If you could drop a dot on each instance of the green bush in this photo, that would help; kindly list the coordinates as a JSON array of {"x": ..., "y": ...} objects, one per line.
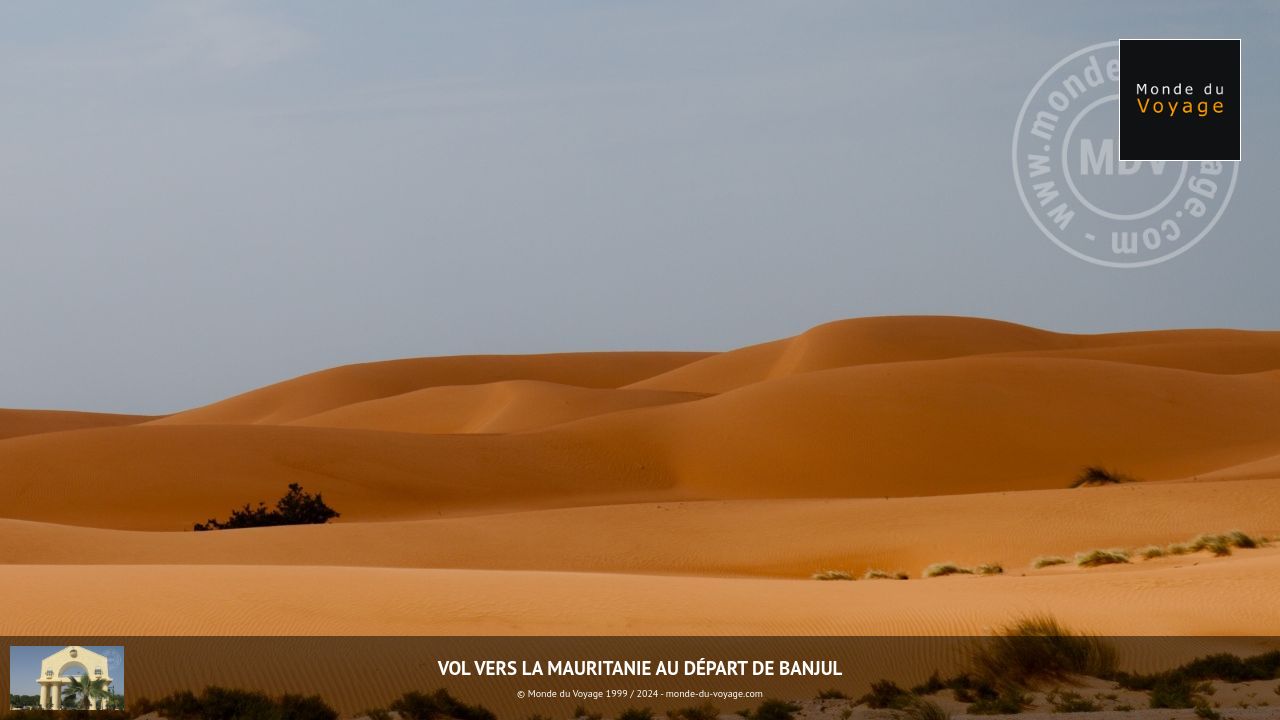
[
  {"x": 1094, "y": 475},
  {"x": 295, "y": 508}
]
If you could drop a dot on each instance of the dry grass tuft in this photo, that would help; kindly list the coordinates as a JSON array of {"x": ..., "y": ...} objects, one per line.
[
  {"x": 876, "y": 574},
  {"x": 1097, "y": 558},
  {"x": 943, "y": 569},
  {"x": 990, "y": 569}
]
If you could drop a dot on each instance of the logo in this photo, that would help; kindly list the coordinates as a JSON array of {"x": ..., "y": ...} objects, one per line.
[{"x": 1107, "y": 211}]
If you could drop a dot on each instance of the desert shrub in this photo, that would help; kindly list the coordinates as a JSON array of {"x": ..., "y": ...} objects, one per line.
[
  {"x": 967, "y": 688},
  {"x": 636, "y": 714},
  {"x": 1178, "y": 549},
  {"x": 224, "y": 704},
  {"x": 1219, "y": 545},
  {"x": 695, "y": 712},
  {"x": 1151, "y": 552},
  {"x": 217, "y": 703},
  {"x": 1232, "y": 668},
  {"x": 1173, "y": 691},
  {"x": 1094, "y": 475},
  {"x": 886, "y": 694},
  {"x": 1096, "y": 558},
  {"x": 832, "y": 694},
  {"x": 1009, "y": 702},
  {"x": 1045, "y": 561},
  {"x": 305, "y": 707},
  {"x": 438, "y": 705},
  {"x": 946, "y": 568},
  {"x": 1242, "y": 540},
  {"x": 1064, "y": 701},
  {"x": 775, "y": 710},
  {"x": 1039, "y": 648},
  {"x": 582, "y": 713},
  {"x": 876, "y": 574},
  {"x": 990, "y": 569},
  {"x": 926, "y": 710},
  {"x": 832, "y": 575},
  {"x": 295, "y": 508},
  {"x": 933, "y": 685}
]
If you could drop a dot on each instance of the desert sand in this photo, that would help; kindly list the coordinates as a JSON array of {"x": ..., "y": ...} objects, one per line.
[{"x": 673, "y": 493}]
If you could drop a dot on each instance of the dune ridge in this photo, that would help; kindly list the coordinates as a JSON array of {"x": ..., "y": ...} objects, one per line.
[
  {"x": 20, "y": 423},
  {"x": 601, "y": 491}
]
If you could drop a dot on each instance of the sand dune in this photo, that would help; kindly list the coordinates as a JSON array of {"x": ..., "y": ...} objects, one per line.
[
  {"x": 328, "y": 389},
  {"x": 502, "y": 407},
  {"x": 945, "y": 427},
  {"x": 966, "y": 425},
  {"x": 266, "y": 600},
  {"x": 17, "y": 423},
  {"x": 649, "y": 493},
  {"x": 764, "y": 538},
  {"x": 157, "y": 477},
  {"x": 865, "y": 341}
]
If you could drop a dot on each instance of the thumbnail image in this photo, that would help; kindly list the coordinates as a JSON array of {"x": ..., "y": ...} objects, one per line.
[{"x": 66, "y": 678}]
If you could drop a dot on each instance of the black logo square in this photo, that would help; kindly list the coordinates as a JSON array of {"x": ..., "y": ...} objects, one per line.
[{"x": 1180, "y": 99}]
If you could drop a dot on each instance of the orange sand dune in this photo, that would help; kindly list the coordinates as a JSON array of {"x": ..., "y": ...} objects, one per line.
[
  {"x": 16, "y": 423},
  {"x": 328, "y": 389},
  {"x": 865, "y": 341},
  {"x": 652, "y": 493},
  {"x": 275, "y": 600},
  {"x": 1259, "y": 353},
  {"x": 165, "y": 477},
  {"x": 502, "y": 407},
  {"x": 962, "y": 425},
  {"x": 943, "y": 427},
  {"x": 722, "y": 538}
]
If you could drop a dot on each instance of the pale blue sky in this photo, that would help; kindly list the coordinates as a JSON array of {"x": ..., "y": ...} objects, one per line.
[
  {"x": 203, "y": 197},
  {"x": 24, "y": 666}
]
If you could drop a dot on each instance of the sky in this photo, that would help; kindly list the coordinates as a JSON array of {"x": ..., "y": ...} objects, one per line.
[
  {"x": 200, "y": 198},
  {"x": 24, "y": 666}
]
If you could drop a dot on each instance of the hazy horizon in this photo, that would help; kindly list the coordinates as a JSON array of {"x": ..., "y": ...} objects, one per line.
[{"x": 207, "y": 197}]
